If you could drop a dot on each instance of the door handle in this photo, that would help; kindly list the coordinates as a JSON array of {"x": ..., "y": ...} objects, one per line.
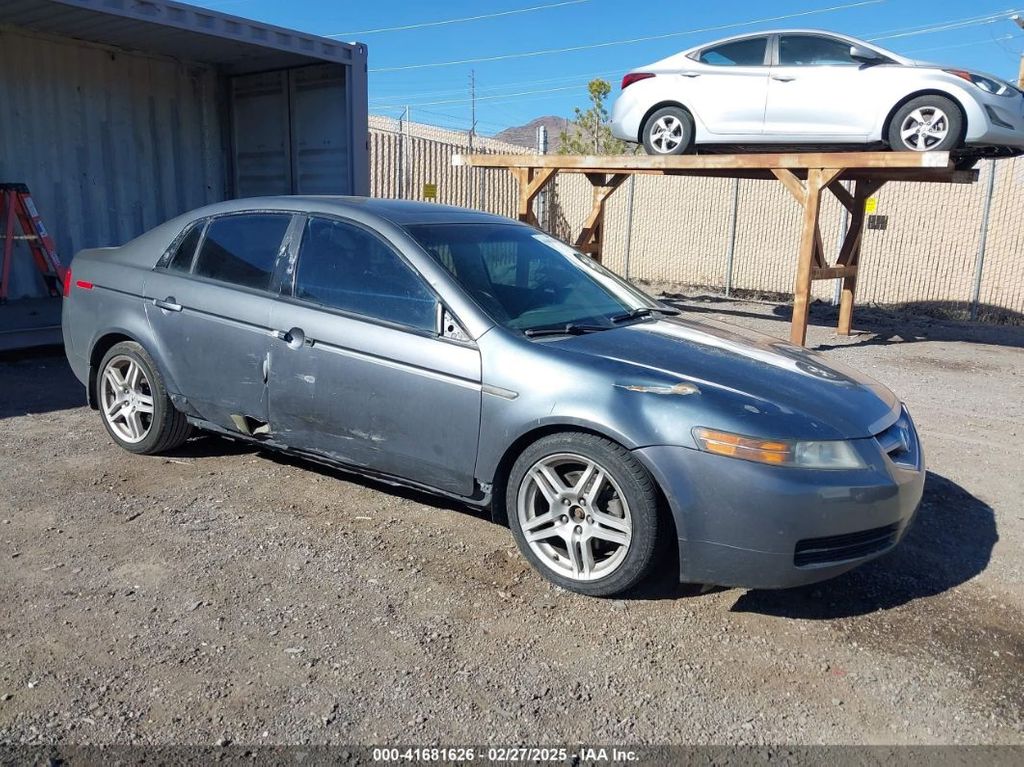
[
  {"x": 295, "y": 337},
  {"x": 690, "y": 74},
  {"x": 784, "y": 78},
  {"x": 167, "y": 304}
]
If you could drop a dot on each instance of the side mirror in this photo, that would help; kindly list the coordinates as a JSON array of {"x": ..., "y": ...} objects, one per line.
[{"x": 865, "y": 55}]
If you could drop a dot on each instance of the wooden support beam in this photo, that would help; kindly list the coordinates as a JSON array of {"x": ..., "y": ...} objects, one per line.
[
  {"x": 832, "y": 272},
  {"x": 591, "y": 236},
  {"x": 766, "y": 161},
  {"x": 810, "y": 245},
  {"x": 849, "y": 254},
  {"x": 531, "y": 181}
]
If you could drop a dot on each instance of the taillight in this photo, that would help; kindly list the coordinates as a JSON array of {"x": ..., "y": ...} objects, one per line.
[
  {"x": 634, "y": 77},
  {"x": 67, "y": 282}
]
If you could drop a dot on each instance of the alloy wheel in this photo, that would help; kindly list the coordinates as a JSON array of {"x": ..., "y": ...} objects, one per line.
[
  {"x": 666, "y": 134},
  {"x": 574, "y": 516},
  {"x": 126, "y": 398},
  {"x": 924, "y": 128}
]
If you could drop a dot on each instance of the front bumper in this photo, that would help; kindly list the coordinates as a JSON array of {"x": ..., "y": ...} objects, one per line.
[
  {"x": 998, "y": 121},
  {"x": 747, "y": 524}
]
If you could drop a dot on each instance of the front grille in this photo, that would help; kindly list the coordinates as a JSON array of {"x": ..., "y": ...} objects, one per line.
[
  {"x": 842, "y": 548},
  {"x": 899, "y": 442}
]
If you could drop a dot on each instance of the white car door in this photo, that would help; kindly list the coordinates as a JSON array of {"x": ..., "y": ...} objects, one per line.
[
  {"x": 727, "y": 86},
  {"x": 816, "y": 90}
]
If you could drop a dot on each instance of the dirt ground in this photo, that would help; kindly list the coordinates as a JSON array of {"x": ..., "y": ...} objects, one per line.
[{"x": 225, "y": 594}]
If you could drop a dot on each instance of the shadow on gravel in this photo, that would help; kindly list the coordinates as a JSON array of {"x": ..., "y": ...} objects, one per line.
[
  {"x": 878, "y": 326},
  {"x": 950, "y": 542},
  {"x": 409, "y": 494},
  {"x": 37, "y": 381}
]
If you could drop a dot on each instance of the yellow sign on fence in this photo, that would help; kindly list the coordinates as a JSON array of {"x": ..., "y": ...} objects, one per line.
[
  {"x": 870, "y": 205},
  {"x": 430, "y": 191}
]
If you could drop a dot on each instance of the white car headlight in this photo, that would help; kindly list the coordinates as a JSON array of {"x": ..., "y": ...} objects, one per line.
[
  {"x": 987, "y": 84},
  {"x": 807, "y": 454}
]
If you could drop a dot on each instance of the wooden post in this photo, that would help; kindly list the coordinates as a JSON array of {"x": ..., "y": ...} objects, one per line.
[
  {"x": 811, "y": 255},
  {"x": 591, "y": 237},
  {"x": 531, "y": 181},
  {"x": 849, "y": 254},
  {"x": 808, "y": 246}
]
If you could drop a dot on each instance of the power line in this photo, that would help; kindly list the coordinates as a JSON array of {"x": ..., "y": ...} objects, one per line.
[
  {"x": 444, "y": 22},
  {"x": 943, "y": 26},
  {"x": 501, "y": 86},
  {"x": 963, "y": 45},
  {"x": 572, "y": 87},
  {"x": 629, "y": 41}
]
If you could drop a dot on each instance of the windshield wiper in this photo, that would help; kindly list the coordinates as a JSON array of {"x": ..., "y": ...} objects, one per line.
[
  {"x": 643, "y": 311},
  {"x": 571, "y": 329}
]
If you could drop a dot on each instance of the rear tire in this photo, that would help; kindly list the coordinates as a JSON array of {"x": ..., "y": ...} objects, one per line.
[
  {"x": 668, "y": 131},
  {"x": 926, "y": 124},
  {"x": 134, "y": 406},
  {"x": 584, "y": 512}
]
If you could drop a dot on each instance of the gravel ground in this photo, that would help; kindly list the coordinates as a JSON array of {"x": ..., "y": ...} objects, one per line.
[{"x": 227, "y": 594}]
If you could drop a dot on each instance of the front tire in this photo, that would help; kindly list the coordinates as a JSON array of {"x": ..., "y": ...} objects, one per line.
[
  {"x": 584, "y": 512},
  {"x": 668, "y": 131},
  {"x": 134, "y": 406},
  {"x": 926, "y": 124}
]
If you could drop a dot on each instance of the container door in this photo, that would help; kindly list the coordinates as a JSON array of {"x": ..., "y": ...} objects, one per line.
[{"x": 291, "y": 132}]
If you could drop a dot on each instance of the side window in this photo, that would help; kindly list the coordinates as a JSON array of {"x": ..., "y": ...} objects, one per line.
[
  {"x": 741, "y": 53},
  {"x": 343, "y": 266},
  {"x": 242, "y": 249},
  {"x": 811, "y": 50},
  {"x": 181, "y": 260}
]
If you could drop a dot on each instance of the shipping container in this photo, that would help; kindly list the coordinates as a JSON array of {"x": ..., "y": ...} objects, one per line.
[{"x": 121, "y": 114}]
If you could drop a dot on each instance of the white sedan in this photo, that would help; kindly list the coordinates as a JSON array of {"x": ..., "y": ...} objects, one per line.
[{"x": 808, "y": 87}]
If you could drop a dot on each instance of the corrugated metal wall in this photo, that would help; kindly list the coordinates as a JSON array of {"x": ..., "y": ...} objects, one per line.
[{"x": 110, "y": 143}]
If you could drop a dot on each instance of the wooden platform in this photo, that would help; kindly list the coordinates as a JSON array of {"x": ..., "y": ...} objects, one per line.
[{"x": 805, "y": 175}]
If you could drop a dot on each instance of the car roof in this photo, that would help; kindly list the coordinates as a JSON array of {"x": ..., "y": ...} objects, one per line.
[
  {"x": 790, "y": 31},
  {"x": 400, "y": 212}
]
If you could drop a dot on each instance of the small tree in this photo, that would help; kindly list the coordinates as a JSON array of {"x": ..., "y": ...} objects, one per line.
[{"x": 590, "y": 132}]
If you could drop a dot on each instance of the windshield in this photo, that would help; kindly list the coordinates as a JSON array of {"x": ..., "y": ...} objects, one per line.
[{"x": 527, "y": 280}]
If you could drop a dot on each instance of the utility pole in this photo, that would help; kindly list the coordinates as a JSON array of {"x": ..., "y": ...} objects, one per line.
[
  {"x": 475, "y": 180},
  {"x": 472, "y": 102},
  {"x": 1019, "y": 21},
  {"x": 403, "y": 153},
  {"x": 542, "y": 198}
]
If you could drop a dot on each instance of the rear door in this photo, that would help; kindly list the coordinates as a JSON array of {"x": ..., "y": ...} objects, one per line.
[
  {"x": 360, "y": 373},
  {"x": 728, "y": 89},
  {"x": 209, "y": 304},
  {"x": 816, "y": 90}
]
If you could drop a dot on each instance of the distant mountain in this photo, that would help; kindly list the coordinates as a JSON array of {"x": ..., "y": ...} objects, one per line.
[{"x": 526, "y": 135}]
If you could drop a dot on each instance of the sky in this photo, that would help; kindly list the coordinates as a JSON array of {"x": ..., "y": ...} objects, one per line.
[{"x": 534, "y": 57}]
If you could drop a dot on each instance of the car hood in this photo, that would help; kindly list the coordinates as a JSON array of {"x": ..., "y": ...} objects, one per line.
[{"x": 751, "y": 383}]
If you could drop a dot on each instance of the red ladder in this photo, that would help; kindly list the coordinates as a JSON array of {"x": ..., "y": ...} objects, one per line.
[{"x": 16, "y": 205}]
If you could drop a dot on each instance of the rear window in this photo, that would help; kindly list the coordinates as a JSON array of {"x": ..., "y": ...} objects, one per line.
[
  {"x": 181, "y": 260},
  {"x": 741, "y": 53},
  {"x": 242, "y": 249}
]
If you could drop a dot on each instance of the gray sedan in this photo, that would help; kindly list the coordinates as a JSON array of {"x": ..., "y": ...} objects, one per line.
[{"x": 478, "y": 358}]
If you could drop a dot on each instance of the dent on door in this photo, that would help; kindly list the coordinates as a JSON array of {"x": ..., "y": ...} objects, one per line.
[{"x": 376, "y": 397}]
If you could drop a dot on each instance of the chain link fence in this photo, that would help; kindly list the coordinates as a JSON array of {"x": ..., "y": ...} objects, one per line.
[{"x": 943, "y": 249}]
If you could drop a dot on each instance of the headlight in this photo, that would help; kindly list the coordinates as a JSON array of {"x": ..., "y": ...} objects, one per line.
[
  {"x": 987, "y": 84},
  {"x": 807, "y": 454}
]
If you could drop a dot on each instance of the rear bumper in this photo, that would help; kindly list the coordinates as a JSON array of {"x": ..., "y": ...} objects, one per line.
[
  {"x": 746, "y": 524},
  {"x": 627, "y": 114}
]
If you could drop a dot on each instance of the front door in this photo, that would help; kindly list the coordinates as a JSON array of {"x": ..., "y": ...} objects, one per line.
[
  {"x": 209, "y": 307},
  {"x": 817, "y": 91},
  {"x": 359, "y": 373}
]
